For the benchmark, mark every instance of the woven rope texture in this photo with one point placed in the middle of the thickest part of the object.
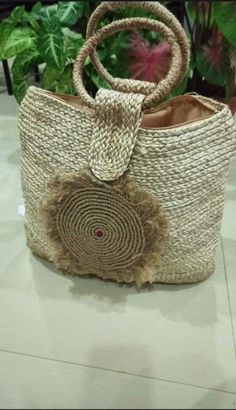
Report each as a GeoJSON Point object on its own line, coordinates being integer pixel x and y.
{"type": "Point", "coordinates": [184, 166]}
{"type": "Point", "coordinates": [117, 121]}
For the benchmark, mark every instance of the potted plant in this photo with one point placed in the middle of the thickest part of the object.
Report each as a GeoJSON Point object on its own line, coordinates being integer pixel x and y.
{"type": "Point", "coordinates": [53, 35]}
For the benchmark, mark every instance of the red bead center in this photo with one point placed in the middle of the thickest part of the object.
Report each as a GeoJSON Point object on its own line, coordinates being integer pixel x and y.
{"type": "Point", "coordinates": [99, 233]}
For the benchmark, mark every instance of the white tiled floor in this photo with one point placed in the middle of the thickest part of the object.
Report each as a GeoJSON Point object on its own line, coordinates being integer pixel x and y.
{"type": "Point", "coordinates": [83, 343]}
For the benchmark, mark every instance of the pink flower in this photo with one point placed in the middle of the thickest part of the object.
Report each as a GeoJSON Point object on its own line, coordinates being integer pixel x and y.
{"type": "Point", "coordinates": [215, 55]}
{"type": "Point", "coordinates": [148, 63]}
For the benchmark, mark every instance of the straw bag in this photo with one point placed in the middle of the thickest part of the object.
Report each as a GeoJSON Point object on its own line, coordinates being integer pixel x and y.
{"type": "Point", "coordinates": [119, 186]}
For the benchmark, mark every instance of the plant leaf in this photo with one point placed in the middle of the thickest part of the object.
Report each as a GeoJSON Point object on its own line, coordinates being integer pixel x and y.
{"type": "Point", "coordinates": [180, 89]}
{"type": "Point", "coordinates": [97, 80]}
{"type": "Point", "coordinates": [130, 12]}
{"type": "Point", "coordinates": [37, 12]}
{"type": "Point", "coordinates": [20, 69]}
{"type": "Point", "coordinates": [72, 42]}
{"type": "Point", "coordinates": [16, 41]}
{"type": "Point", "coordinates": [214, 73]}
{"type": "Point", "coordinates": [51, 25]}
{"type": "Point", "coordinates": [17, 14]}
{"type": "Point", "coordinates": [20, 89]}
{"type": "Point", "coordinates": [5, 31]}
{"type": "Point", "coordinates": [37, 7]}
{"type": "Point", "coordinates": [65, 83]}
{"type": "Point", "coordinates": [203, 8]}
{"type": "Point", "coordinates": [32, 22]}
{"type": "Point", "coordinates": [69, 12]}
{"type": "Point", "coordinates": [51, 48]}
{"type": "Point", "coordinates": [230, 86]}
{"type": "Point", "coordinates": [87, 61]}
{"type": "Point", "coordinates": [57, 81]}
{"type": "Point", "coordinates": [48, 12]}
{"type": "Point", "coordinates": [50, 77]}
{"type": "Point", "coordinates": [71, 33]}
{"type": "Point", "coordinates": [225, 16]}
{"type": "Point", "coordinates": [9, 24]}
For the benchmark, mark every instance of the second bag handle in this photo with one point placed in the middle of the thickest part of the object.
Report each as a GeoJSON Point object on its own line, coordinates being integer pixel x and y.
{"type": "Point", "coordinates": [153, 92]}
{"type": "Point", "coordinates": [155, 8]}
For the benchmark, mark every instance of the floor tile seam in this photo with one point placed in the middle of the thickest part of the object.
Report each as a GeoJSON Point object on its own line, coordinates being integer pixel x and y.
{"type": "Point", "coordinates": [229, 300]}
{"type": "Point", "coordinates": [122, 372]}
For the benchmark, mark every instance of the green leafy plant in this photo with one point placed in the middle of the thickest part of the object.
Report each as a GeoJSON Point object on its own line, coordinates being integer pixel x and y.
{"type": "Point", "coordinates": [42, 35]}
{"type": "Point", "coordinates": [53, 35]}
{"type": "Point", "coordinates": [213, 40]}
{"type": "Point", "coordinates": [213, 51]}
{"type": "Point", "coordinates": [47, 35]}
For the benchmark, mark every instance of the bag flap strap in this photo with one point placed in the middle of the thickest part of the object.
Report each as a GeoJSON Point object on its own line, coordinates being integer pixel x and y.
{"type": "Point", "coordinates": [117, 120]}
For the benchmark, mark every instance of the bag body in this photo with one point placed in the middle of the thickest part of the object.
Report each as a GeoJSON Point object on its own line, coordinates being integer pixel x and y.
{"type": "Point", "coordinates": [122, 192]}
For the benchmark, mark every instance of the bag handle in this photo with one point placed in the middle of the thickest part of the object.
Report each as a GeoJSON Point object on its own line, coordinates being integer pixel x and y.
{"type": "Point", "coordinates": [158, 10]}
{"type": "Point", "coordinates": [153, 92]}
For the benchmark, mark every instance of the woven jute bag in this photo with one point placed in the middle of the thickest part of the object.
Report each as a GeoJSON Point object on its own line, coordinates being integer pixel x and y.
{"type": "Point", "coordinates": [125, 186]}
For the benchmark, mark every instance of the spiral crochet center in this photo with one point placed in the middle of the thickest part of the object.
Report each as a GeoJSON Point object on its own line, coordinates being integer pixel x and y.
{"type": "Point", "coordinates": [100, 228]}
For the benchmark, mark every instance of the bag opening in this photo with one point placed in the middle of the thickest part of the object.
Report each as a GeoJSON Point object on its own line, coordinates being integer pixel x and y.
{"type": "Point", "coordinates": [178, 111]}
{"type": "Point", "coordinates": [173, 113]}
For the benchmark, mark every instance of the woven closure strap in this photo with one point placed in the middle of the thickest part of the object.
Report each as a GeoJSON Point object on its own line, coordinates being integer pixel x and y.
{"type": "Point", "coordinates": [117, 120]}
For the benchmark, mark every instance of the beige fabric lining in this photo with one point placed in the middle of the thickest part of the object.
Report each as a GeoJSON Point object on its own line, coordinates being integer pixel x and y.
{"type": "Point", "coordinates": [176, 112]}
{"type": "Point", "coordinates": [172, 113]}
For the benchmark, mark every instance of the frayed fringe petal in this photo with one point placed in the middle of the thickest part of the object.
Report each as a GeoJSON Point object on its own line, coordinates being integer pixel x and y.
{"type": "Point", "coordinates": [141, 205]}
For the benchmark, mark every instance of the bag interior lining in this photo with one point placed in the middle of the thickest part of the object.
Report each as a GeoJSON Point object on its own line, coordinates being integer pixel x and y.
{"type": "Point", "coordinates": [172, 113]}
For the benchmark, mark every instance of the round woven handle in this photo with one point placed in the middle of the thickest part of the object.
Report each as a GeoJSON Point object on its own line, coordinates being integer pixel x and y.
{"type": "Point", "coordinates": [157, 9]}
{"type": "Point", "coordinates": [153, 92]}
